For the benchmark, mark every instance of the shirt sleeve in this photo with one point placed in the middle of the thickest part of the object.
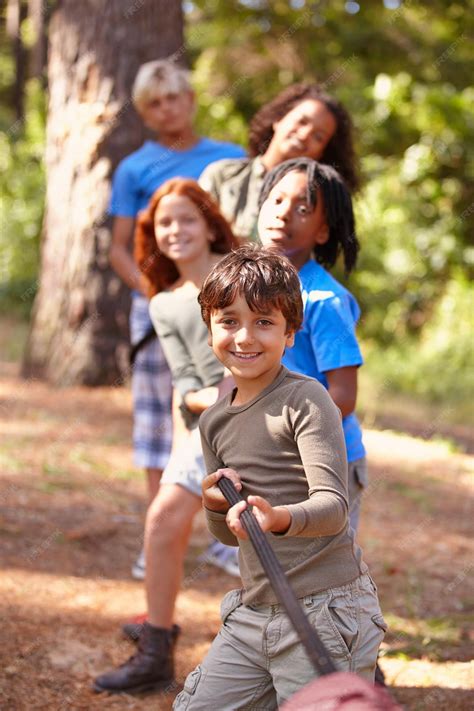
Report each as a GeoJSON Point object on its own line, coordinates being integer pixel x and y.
{"type": "Point", "coordinates": [211, 459]}
{"type": "Point", "coordinates": [331, 325]}
{"type": "Point", "coordinates": [216, 522]}
{"type": "Point", "coordinates": [218, 528]}
{"type": "Point", "coordinates": [124, 198]}
{"type": "Point", "coordinates": [320, 441]}
{"type": "Point", "coordinates": [208, 182]}
{"type": "Point", "coordinates": [177, 355]}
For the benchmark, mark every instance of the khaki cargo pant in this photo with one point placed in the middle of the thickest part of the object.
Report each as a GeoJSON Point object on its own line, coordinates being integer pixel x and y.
{"type": "Point", "coordinates": [256, 662]}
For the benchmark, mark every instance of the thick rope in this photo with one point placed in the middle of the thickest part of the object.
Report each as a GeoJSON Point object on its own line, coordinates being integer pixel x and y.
{"type": "Point", "coordinates": [315, 649]}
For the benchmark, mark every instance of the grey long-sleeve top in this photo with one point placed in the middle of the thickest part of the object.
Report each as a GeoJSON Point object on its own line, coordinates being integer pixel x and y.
{"type": "Point", "coordinates": [177, 319]}
{"type": "Point", "coordinates": [287, 444]}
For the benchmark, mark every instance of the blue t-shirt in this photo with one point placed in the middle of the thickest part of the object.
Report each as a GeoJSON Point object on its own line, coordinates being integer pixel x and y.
{"type": "Point", "coordinates": [143, 171]}
{"type": "Point", "coordinates": [327, 339]}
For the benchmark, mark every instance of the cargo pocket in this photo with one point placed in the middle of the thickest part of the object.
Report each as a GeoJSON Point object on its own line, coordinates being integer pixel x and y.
{"type": "Point", "coordinates": [230, 602]}
{"type": "Point", "coordinates": [338, 630]}
{"type": "Point", "coordinates": [373, 630]}
{"type": "Point", "coordinates": [379, 621]}
{"type": "Point", "coordinates": [183, 699]}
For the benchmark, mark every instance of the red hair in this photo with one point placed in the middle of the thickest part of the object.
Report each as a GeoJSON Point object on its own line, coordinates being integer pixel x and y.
{"type": "Point", "coordinates": [160, 271]}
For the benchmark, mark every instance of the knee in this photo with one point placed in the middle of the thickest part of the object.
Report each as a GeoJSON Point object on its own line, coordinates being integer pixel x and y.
{"type": "Point", "coordinates": [163, 523]}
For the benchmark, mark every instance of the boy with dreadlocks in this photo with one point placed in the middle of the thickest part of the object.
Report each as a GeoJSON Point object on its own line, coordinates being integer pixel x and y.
{"type": "Point", "coordinates": [306, 214]}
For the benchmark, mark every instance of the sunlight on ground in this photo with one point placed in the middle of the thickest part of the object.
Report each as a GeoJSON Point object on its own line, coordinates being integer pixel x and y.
{"type": "Point", "coordinates": [72, 510]}
{"type": "Point", "coordinates": [421, 672]}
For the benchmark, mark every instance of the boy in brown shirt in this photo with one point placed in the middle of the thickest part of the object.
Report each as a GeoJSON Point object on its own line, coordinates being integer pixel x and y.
{"type": "Point", "coordinates": [278, 437]}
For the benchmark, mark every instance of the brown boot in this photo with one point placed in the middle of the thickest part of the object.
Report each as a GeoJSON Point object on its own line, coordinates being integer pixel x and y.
{"type": "Point", "coordinates": [133, 630]}
{"type": "Point", "coordinates": [150, 669]}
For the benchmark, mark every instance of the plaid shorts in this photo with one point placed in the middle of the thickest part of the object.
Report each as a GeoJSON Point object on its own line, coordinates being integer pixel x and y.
{"type": "Point", "coordinates": [151, 391]}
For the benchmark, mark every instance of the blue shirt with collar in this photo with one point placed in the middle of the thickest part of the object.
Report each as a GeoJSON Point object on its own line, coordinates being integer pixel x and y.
{"type": "Point", "coordinates": [327, 339]}
{"type": "Point", "coordinates": [145, 170]}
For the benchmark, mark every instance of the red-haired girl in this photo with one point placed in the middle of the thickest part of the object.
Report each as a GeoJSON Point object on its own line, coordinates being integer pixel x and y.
{"type": "Point", "coordinates": [179, 238]}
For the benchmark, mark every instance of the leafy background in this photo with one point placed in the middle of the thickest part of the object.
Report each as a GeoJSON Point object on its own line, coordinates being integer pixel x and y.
{"type": "Point", "coordinates": [403, 69]}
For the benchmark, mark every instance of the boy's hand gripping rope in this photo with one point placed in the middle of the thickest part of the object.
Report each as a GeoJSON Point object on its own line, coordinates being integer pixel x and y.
{"type": "Point", "coordinates": [315, 649]}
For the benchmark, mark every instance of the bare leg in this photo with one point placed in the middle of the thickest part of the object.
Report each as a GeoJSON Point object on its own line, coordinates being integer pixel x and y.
{"type": "Point", "coordinates": [153, 481]}
{"type": "Point", "coordinates": [167, 531]}
{"type": "Point", "coordinates": [153, 486]}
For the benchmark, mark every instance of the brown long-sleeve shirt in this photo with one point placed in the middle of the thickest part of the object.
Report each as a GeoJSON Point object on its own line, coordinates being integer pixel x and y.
{"type": "Point", "coordinates": [287, 445]}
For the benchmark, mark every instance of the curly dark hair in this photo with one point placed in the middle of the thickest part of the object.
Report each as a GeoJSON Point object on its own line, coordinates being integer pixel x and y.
{"type": "Point", "coordinates": [337, 205]}
{"type": "Point", "coordinates": [160, 271]}
{"type": "Point", "coordinates": [340, 150]}
{"type": "Point", "coordinates": [266, 280]}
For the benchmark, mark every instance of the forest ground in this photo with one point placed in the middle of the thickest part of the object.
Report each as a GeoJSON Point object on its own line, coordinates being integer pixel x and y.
{"type": "Point", "coordinates": [71, 514]}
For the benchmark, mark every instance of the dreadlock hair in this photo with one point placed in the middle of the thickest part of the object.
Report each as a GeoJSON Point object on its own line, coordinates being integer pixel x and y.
{"type": "Point", "coordinates": [337, 205]}
{"type": "Point", "coordinates": [339, 151]}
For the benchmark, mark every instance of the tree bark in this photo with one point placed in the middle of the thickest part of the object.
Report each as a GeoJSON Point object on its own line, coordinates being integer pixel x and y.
{"type": "Point", "coordinates": [79, 331]}
{"type": "Point", "coordinates": [16, 13]}
{"type": "Point", "coordinates": [38, 13]}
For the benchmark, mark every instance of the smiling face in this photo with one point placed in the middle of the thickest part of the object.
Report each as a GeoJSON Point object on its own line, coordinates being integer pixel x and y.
{"type": "Point", "coordinates": [249, 343]}
{"type": "Point", "coordinates": [304, 131]}
{"type": "Point", "coordinates": [289, 223]}
{"type": "Point", "coordinates": [181, 232]}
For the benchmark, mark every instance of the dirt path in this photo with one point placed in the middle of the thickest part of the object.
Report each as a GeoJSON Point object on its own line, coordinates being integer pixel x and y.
{"type": "Point", "coordinates": [71, 507]}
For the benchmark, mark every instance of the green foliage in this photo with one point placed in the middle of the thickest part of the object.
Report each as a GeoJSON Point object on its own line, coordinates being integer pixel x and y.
{"type": "Point", "coordinates": [22, 187]}
{"type": "Point", "coordinates": [415, 226]}
{"type": "Point", "coordinates": [415, 638]}
{"type": "Point", "coordinates": [414, 215]}
{"type": "Point", "coordinates": [407, 88]}
{"type": "Point", "coordinates": [438, 365]}
{"type": "Point", "coordinates": [217, 114]}
{"type": "Point", "coordinates": [414, 129]}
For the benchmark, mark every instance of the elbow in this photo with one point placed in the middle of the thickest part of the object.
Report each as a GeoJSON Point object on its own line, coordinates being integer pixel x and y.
{"type": "Point", "coordinates": [337, 520]}
{"type": "Point", "coordinates": [344, 518]}
{"type": "Point", "coordinates": [344, 395]}
{"type": "Point", "coordinates": [339, 516]}
{"type": "Point", "coordinates": [347, 410]}
{"type": "Point", "coordinates": [346, 405]}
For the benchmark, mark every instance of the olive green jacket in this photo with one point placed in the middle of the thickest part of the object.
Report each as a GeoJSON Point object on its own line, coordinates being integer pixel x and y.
{"type": "Point", "coordinates": [235, 184]}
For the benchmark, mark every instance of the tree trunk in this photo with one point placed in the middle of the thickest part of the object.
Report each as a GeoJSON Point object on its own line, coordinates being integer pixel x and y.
{"type": "Point", "coordinates": [38, 13]}
{"type": "Point", "coordinates": [79, 331]}
{"type": "Point", "coordinates": [16, 13]}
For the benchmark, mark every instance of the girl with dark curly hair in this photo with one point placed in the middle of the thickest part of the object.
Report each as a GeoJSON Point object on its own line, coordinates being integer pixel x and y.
{"type": "Point", "coordinates": [302, 121]}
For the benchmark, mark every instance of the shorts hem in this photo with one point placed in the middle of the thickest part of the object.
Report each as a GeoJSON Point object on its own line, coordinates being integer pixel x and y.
{"type": "Point", "coordinates": [183, 486]}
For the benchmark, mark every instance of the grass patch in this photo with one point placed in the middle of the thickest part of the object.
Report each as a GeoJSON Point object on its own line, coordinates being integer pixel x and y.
{"type": "Point", "coordinates": [411, 638]}
{"type": "Point", "coordinates": [10, 464]}
{"type": "Point", "coordinates": [81, 457]}
{"type": "Point", "coordinates": [57, 479]}
{"type": "Point", "coordinates": [53, 470]}
{"type": "Point", "coordinates": [127, 475]}
{"type": "Point", "coordinates": [51, 487]}
{"type": "Point", "coordinates": [378, 400]}
{"type": "Point", "coordinates": [418, 497]}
